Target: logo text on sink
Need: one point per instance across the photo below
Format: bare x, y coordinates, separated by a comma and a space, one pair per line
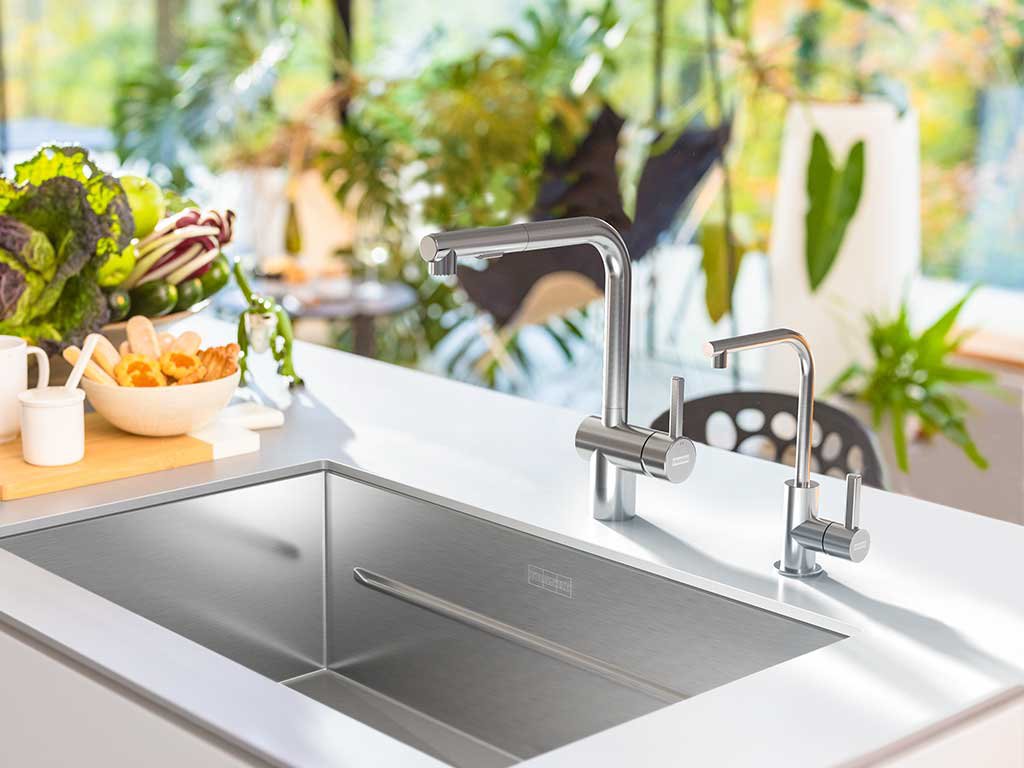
549, 580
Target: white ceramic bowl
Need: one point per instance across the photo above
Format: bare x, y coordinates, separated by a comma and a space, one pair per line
161, 411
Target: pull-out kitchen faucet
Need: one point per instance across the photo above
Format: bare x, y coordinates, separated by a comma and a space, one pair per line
617, 451
806, 533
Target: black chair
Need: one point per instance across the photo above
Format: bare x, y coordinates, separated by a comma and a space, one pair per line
842, 435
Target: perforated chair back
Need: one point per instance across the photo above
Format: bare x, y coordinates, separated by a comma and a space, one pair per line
845, 444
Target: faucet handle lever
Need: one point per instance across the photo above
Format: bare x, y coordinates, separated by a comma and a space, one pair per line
675, 407
853, 483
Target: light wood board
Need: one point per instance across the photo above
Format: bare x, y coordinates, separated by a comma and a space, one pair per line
110, 454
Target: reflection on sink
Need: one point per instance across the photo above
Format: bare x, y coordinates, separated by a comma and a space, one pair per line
472, 642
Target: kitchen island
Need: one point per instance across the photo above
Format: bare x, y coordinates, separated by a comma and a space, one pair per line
933, 619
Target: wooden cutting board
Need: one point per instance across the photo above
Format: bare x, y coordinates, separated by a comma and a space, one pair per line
111, 454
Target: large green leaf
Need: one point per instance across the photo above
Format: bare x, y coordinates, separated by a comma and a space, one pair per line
720, 280
833, 196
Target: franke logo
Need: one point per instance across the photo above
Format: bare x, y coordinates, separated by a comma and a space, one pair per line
552, 582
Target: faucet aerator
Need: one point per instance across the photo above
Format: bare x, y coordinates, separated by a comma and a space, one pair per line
443, 266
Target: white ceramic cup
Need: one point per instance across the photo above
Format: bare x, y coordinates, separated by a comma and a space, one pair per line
14, 352
52, 426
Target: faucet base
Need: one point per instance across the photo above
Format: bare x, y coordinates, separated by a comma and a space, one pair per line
612, 490
806, 573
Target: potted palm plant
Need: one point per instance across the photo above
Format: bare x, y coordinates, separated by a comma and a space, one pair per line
911, 392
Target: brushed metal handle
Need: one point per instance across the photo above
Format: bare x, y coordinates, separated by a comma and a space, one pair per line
471, 618
675, 407
853, 483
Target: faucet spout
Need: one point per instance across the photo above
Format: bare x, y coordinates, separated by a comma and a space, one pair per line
719, 350
441, 250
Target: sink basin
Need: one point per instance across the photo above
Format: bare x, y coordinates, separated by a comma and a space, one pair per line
470, 641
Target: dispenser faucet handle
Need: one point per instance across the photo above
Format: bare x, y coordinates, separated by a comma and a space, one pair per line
675, 407
848, 540
853, 483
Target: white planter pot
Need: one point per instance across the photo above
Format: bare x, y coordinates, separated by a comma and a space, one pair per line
257, 196
881, 249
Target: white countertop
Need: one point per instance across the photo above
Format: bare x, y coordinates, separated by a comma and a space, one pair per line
935, 613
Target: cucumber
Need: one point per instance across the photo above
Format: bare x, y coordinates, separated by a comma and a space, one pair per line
217, 276
120, 305
154, 298
189, 292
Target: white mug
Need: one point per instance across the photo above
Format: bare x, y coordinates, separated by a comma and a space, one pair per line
14, 352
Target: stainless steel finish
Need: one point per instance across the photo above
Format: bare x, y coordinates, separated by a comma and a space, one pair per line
840, 541
853, 486
240, 573
500, 645
621, 446
806, 534
505, 693
667, 458
399, 721
612, 445
443, 248
803, 531
719, 350
505, 631
676, 398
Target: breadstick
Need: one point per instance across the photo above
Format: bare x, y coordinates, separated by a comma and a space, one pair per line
92, 371
105, 354
142, 337
188, 342
166, 340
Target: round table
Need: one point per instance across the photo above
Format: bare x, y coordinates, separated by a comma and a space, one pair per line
360, 302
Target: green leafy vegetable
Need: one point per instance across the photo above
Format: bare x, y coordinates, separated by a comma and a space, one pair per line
27, 262
62, 218
833, 195
104, 193
911, 375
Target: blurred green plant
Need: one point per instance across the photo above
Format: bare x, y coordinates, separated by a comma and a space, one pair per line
911, 377
216, 100
464, 144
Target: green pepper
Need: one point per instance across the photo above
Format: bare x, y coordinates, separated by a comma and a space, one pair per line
119, 266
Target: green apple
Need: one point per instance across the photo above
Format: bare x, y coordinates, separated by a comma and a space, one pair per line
146, 200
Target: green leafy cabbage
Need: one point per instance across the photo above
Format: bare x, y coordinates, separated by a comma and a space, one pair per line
27, 263
61, 218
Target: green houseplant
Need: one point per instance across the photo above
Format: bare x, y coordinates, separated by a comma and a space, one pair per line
911, 379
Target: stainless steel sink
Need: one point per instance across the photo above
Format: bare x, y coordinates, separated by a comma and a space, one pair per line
470, 641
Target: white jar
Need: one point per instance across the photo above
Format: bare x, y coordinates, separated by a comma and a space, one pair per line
52, 426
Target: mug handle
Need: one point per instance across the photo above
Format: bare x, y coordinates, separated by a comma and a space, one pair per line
43, 361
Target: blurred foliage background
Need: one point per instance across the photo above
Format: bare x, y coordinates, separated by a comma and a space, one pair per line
64, 62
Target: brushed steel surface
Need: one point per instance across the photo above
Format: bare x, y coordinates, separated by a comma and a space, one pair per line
505, 631
719, 350
524, 702
239, 572
264, 576
399, 721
